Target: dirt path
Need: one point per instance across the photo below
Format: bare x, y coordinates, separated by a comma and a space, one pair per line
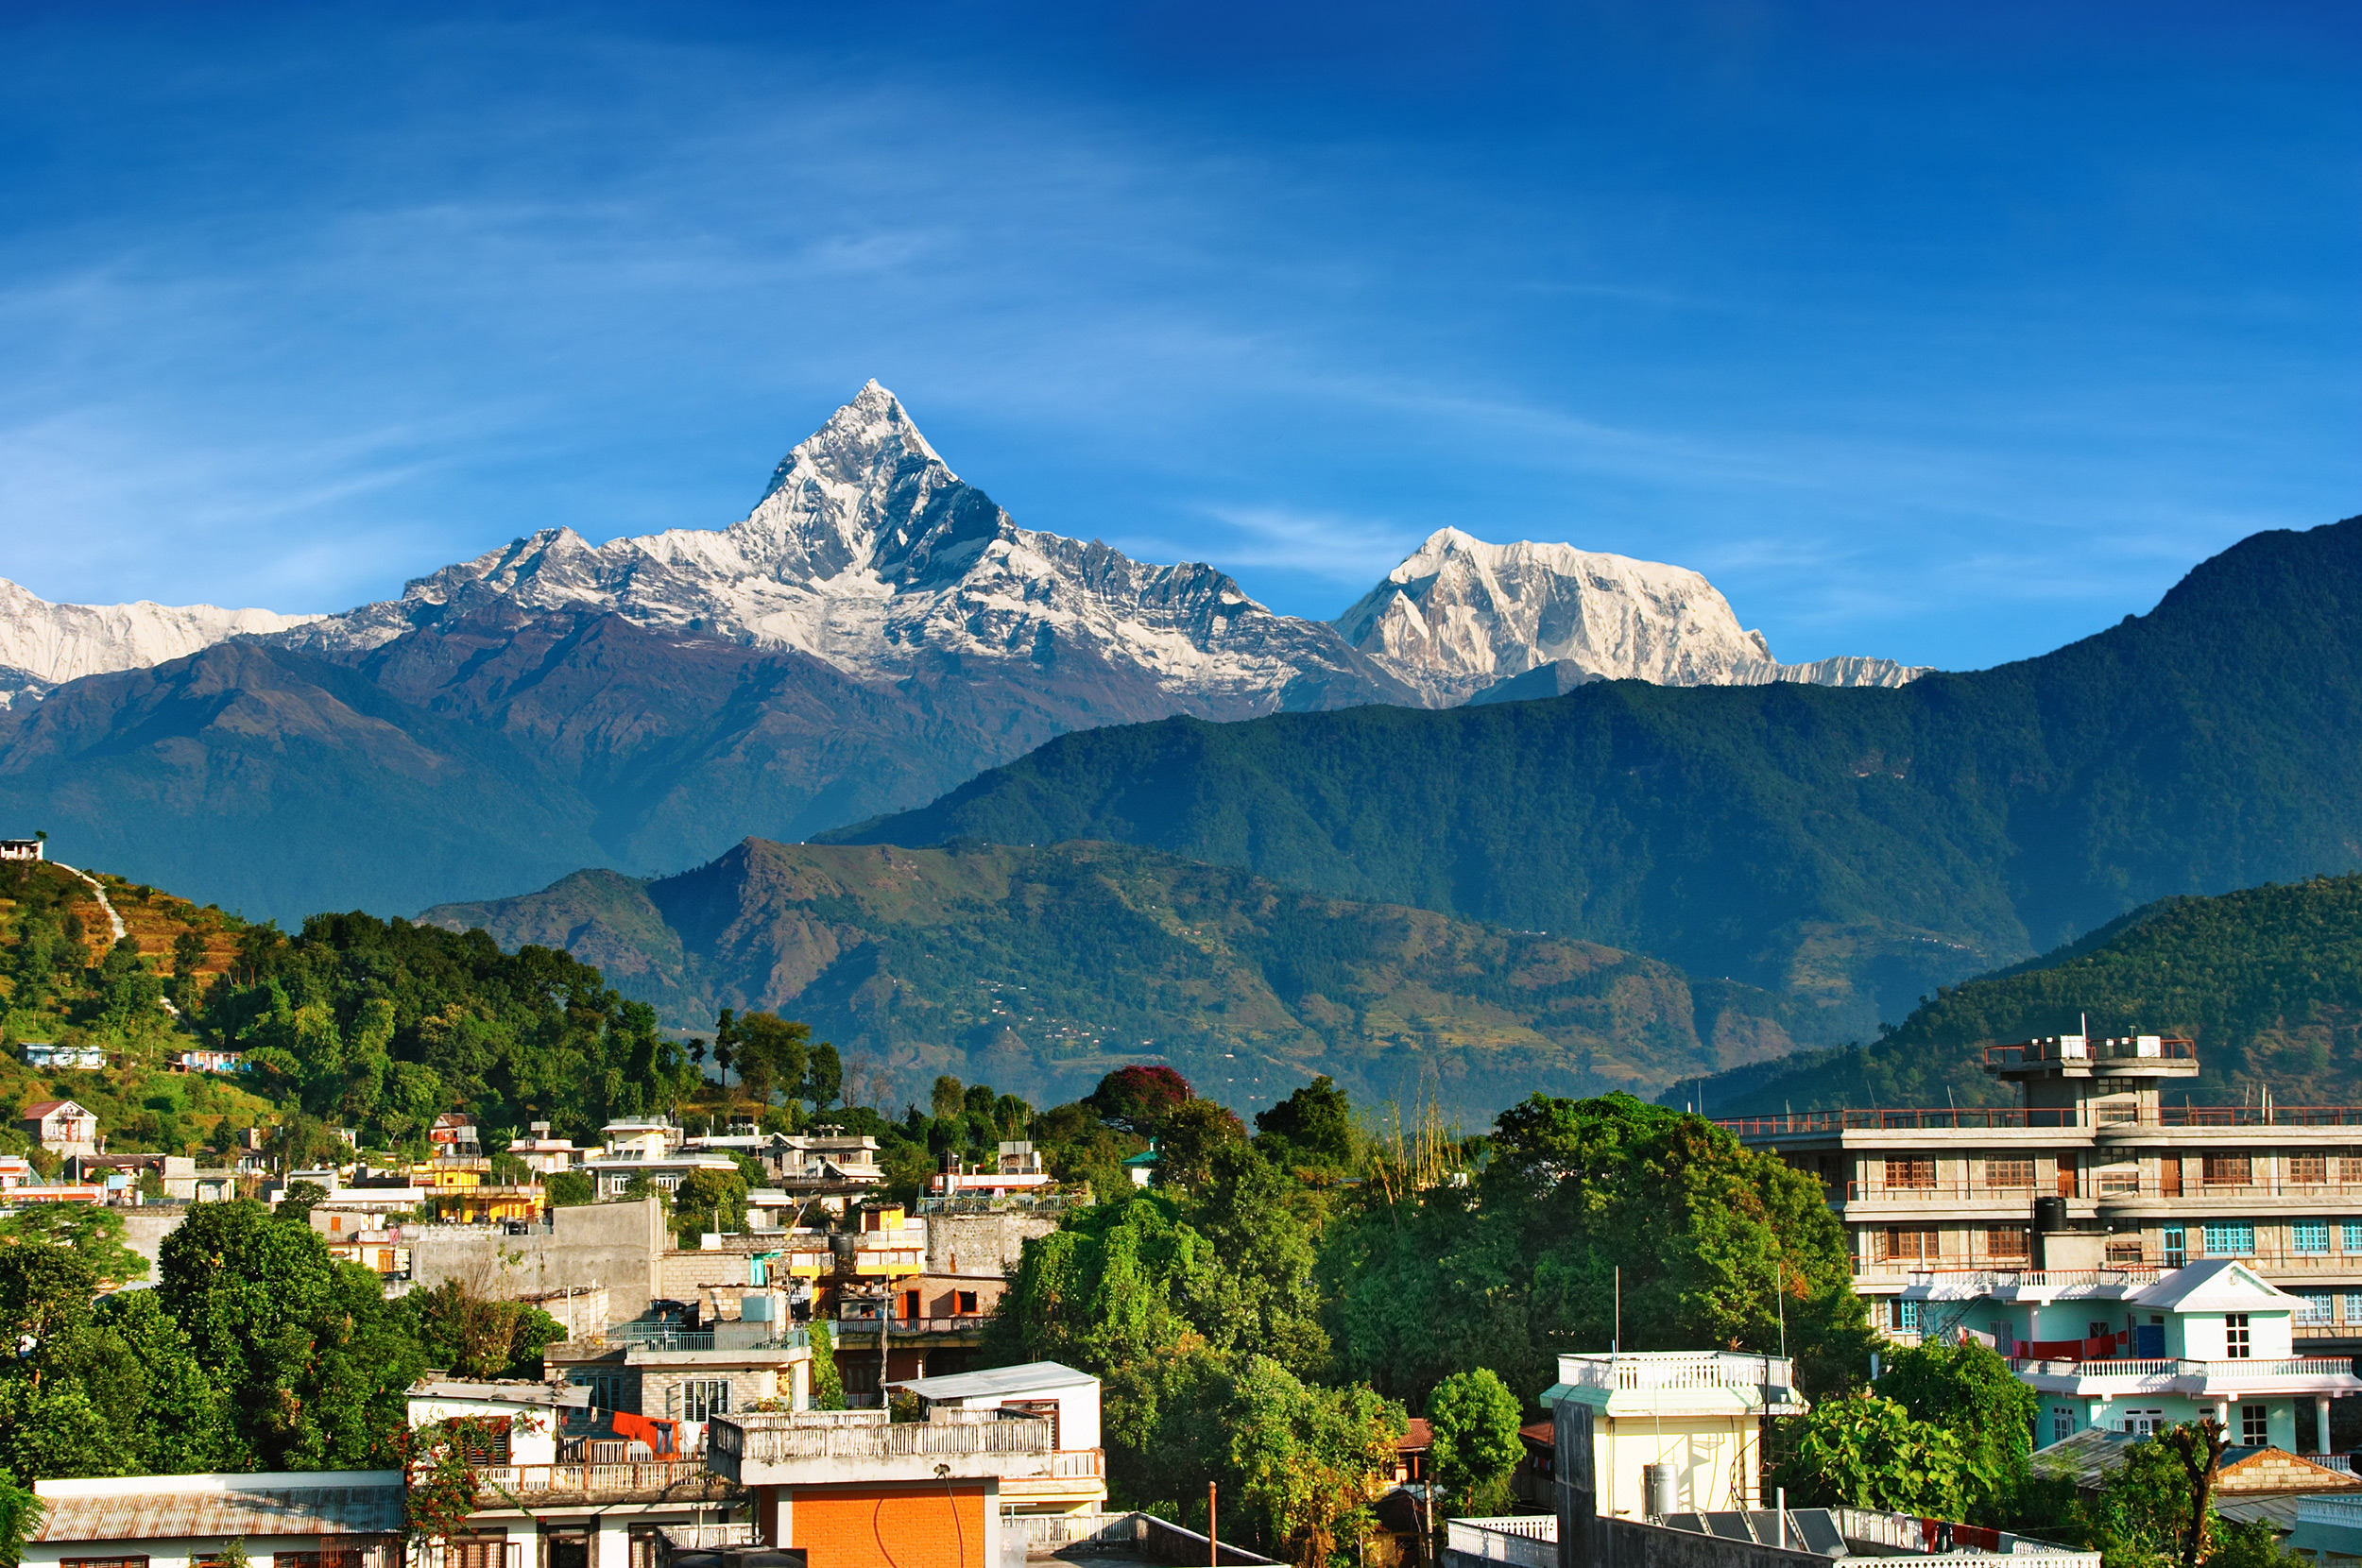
100, 893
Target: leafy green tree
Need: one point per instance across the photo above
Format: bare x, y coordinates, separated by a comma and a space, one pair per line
1262, 1295
188, 953
824, 1077
569, 1188
128, 991
308, 1351
1187, 1139
1969, 1392
827, 1383
92, 1232
945, 1102
1308, 1461
21, 1511
1313, 1127
772, 1051
475, 1336
1866, 1452
711, 1198
300, 1200
1475, 1419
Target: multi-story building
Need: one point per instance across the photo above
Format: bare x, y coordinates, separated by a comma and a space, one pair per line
1697, 1417
2095, 1168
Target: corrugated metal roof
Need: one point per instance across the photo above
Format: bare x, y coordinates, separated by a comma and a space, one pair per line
1028, 1379
172, 1507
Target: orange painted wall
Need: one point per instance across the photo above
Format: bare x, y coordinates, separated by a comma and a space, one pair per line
889, 1527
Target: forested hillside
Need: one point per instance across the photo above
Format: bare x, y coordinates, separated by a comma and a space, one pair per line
1042, 969
2268, 981
1851, 847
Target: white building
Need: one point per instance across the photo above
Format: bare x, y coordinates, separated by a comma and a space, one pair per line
1701, 1412
186, 1521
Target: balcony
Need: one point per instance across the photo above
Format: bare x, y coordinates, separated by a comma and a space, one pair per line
2309, 1374
1677, 1370
852, 1330
2079, 1051
541, 1485
1939, 1118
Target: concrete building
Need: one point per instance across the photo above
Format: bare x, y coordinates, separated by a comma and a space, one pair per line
352, 1517
688, 1376
2134, 1352
1069, 1400
1702, 1413
46, 1056
555, 1497
63, 1127
1016, 1172
851, 1489
543, 1154
2093, 1168
20, 850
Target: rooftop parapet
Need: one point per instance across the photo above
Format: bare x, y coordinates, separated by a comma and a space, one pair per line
2072, 1054
804, 1447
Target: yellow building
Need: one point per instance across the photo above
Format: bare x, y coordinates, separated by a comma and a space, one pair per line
1700, 1412
484, 1205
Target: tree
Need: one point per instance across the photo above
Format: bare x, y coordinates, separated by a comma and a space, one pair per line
772, 1051
1137, 1099
2200, 1446
1308, 1461
1313, 1127
306, 1350
710, 1197
947, 1102
1866, 1452
1187, 1139
300, 1199
569, 1188
1475, 1420
827, 1383
824, 1077
475, 1336
1970, 1391
188, 953
94, 1234
21, 1512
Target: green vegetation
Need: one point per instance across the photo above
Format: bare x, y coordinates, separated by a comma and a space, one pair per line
1847, 847
1044, 969
2268, 981
1475, 1420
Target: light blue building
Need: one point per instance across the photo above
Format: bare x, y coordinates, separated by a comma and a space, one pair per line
2128, 1353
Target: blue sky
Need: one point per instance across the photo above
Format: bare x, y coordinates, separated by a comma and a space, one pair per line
1942, 331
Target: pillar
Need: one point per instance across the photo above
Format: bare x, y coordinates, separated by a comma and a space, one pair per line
2320, 1424
611, 1546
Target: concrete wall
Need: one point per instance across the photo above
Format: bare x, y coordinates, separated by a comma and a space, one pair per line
144, 1231
980, 1243
613, 1245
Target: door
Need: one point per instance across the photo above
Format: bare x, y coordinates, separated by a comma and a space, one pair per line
2149, 1341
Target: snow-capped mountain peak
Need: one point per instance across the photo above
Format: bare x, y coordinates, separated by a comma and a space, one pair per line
1460, 615
47, 643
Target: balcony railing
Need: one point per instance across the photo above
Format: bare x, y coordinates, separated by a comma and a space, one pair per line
2148, 1368
965, 1323
867, 1435
1942, 1117
2073, 1050
1677, 1370
646, 1476
2346, 1512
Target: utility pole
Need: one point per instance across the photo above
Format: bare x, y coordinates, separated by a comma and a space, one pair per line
1213, 1552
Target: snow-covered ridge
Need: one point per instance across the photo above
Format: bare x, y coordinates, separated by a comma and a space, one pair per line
52, 644
1462, 615
867, 552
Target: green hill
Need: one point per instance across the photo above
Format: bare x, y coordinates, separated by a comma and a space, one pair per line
1852, 848
1038, 970
2268, 981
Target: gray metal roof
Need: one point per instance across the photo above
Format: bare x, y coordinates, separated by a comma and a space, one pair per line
546, 1394
1029, 1378
167, 1508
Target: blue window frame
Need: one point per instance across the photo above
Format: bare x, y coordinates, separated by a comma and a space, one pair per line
2309, 1235
1905, 1314
2177, 1247
2312, 1306
2230, 1241
2351, 1241
2354, 1307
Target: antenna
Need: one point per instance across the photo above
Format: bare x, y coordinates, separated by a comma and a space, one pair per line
1616, 1339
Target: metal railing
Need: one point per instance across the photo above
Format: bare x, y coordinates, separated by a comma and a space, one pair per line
2076, 1050
1677, 1370
646, 1476
2010, 1117
2242, 1371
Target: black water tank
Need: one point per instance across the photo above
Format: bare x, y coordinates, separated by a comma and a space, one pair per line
2050, 1215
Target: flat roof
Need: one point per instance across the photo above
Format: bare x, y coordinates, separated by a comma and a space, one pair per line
552, 1396
1029, 1378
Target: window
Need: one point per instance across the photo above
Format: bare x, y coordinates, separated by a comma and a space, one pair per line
1911, 1173
104, 1563
2227, 1170
2061, 1423
703, 1398
486, 1443
2309, 1235
2119, 1179
2009, 1173
2255, 1424
1906, 1315
2235, 1344
2231, 1240
2142, 1423
2113, 1112
1906, 1244
2308, 1169
347, 1558
2354, 1307
611, 1388
2351, 1241
2008, 1241
964, 1303
2125, 1251
2177, 1247
2348, 1168
488, 1550
2313, 1306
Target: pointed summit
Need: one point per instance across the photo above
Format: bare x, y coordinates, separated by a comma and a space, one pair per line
847, 445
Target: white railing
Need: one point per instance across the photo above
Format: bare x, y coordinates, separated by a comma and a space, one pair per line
2298, 1366
645, 1475
2330, 1511
769, 1439
711, 1538
1519, 1541
1677, 1370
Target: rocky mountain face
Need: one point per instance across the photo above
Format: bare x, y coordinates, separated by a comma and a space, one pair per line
42, 646
1460, 618
1038, 970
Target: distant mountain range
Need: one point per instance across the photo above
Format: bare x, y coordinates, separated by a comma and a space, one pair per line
1039, 970
2266, 980
871, 636
1855, 847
